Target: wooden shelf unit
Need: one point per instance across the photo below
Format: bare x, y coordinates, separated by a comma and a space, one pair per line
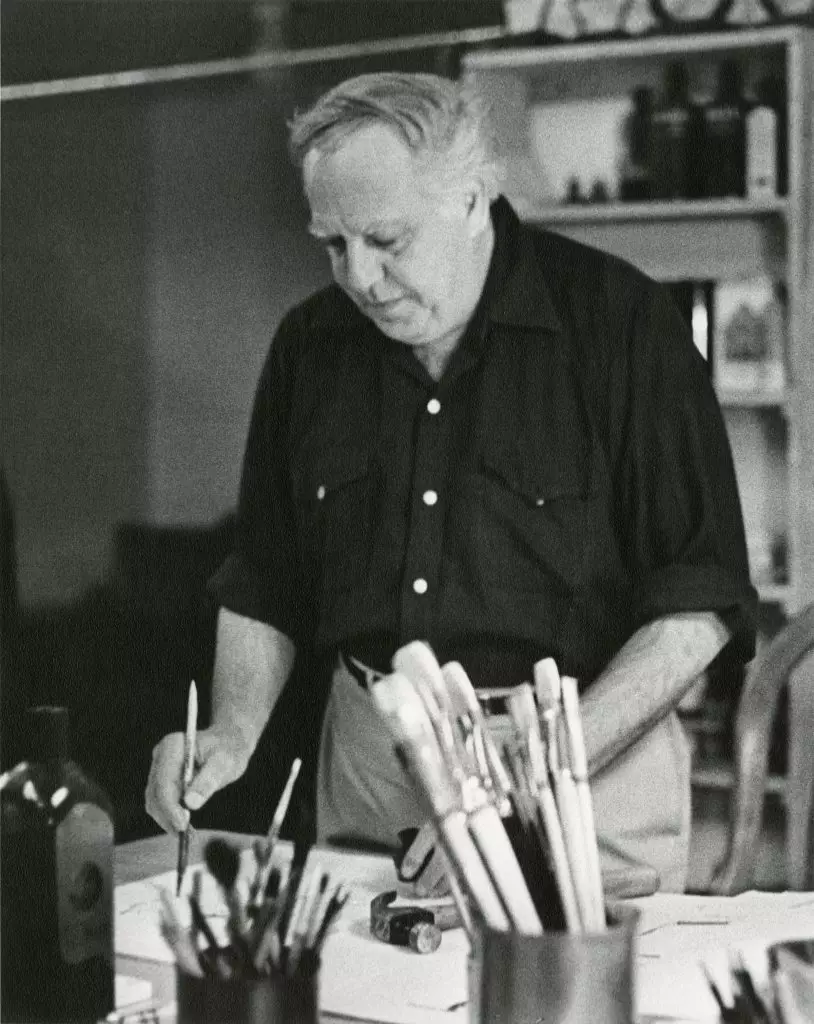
700, 240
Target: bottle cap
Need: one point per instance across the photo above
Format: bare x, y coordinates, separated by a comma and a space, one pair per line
49, 736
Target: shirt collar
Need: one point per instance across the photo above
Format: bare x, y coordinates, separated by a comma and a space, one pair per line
517, 292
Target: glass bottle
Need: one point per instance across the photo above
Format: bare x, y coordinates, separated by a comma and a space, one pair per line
634, 178
56, 884
765, 141
724, 146
674, 138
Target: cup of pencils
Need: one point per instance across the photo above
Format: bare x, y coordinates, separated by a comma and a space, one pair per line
262, 963
514, 822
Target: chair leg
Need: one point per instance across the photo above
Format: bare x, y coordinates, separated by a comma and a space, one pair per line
800, 776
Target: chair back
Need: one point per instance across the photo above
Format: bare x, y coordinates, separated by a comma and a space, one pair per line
782, 662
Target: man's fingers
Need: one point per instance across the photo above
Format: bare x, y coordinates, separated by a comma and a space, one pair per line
162, 795
433, 879
424, 864
417, 855
218, 770
441, 886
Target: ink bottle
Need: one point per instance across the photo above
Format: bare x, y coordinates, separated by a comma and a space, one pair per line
56, 884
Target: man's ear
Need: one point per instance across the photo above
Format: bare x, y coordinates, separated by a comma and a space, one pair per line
477, 208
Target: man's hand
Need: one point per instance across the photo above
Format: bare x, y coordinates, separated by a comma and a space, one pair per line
220, 758
424, 866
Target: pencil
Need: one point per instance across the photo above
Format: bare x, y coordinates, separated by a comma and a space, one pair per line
524, 714
265, 848
186, 779
579, 768
548, 687
282, 805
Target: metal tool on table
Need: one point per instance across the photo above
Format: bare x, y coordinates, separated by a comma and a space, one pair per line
418, 927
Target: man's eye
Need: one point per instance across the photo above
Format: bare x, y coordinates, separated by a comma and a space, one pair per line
391, 245
335, 246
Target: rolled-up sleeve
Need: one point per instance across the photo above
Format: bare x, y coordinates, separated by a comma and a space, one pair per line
685, 534
259, 579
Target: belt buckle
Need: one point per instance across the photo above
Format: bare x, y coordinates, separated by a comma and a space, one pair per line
363, 674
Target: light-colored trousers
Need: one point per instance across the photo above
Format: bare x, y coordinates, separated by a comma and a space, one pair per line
641, 801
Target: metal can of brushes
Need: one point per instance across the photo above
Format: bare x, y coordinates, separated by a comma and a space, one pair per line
273, 998
559, 977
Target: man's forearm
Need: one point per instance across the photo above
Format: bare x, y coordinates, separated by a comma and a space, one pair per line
646, 679
252, 664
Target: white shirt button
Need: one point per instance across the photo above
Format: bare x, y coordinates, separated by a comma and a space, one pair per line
320, 492
430, 497
433, 407
420, 586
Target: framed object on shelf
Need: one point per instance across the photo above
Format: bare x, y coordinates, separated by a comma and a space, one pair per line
749, 333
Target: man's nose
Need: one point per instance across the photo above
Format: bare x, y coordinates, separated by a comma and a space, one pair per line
362, 267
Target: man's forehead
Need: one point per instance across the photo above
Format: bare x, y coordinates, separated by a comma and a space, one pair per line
370, 144
361, 188
320, 226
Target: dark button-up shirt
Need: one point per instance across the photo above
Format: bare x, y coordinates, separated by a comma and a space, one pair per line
566, 481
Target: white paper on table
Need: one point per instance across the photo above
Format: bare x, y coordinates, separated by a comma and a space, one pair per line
360, 976
365, 978
676, 933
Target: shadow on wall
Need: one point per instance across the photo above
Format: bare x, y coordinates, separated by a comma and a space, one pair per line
121, 658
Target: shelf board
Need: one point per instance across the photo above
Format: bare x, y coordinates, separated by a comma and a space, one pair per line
682, 210
758, 399
643, 47
720, 775
677, 241
775, 593
251, 63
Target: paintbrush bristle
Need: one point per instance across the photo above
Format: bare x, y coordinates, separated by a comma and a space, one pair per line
417, 662
523, 708
461, 692
402, 707
547, 684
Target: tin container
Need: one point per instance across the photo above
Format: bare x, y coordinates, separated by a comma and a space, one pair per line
558, 977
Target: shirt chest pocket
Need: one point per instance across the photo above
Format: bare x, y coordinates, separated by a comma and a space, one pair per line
534, 516
334, 492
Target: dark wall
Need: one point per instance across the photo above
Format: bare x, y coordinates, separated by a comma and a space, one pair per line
152, 239
75, 390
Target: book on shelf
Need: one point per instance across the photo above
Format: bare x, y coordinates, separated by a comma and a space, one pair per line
749, 331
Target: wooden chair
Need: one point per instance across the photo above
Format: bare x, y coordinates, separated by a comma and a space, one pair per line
787, 660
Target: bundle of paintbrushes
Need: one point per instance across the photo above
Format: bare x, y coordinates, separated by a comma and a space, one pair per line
515, 828
277, 926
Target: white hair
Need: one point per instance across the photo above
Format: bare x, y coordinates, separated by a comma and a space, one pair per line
443, 123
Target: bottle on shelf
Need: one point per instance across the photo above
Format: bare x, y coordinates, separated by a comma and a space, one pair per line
57, 846
765, 141
674, 138
634, 176
723, 152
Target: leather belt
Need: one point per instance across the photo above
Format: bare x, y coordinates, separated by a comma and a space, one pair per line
363, 674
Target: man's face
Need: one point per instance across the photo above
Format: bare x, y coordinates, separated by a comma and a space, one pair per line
404, 255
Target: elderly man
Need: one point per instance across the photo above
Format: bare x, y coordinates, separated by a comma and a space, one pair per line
487, 437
